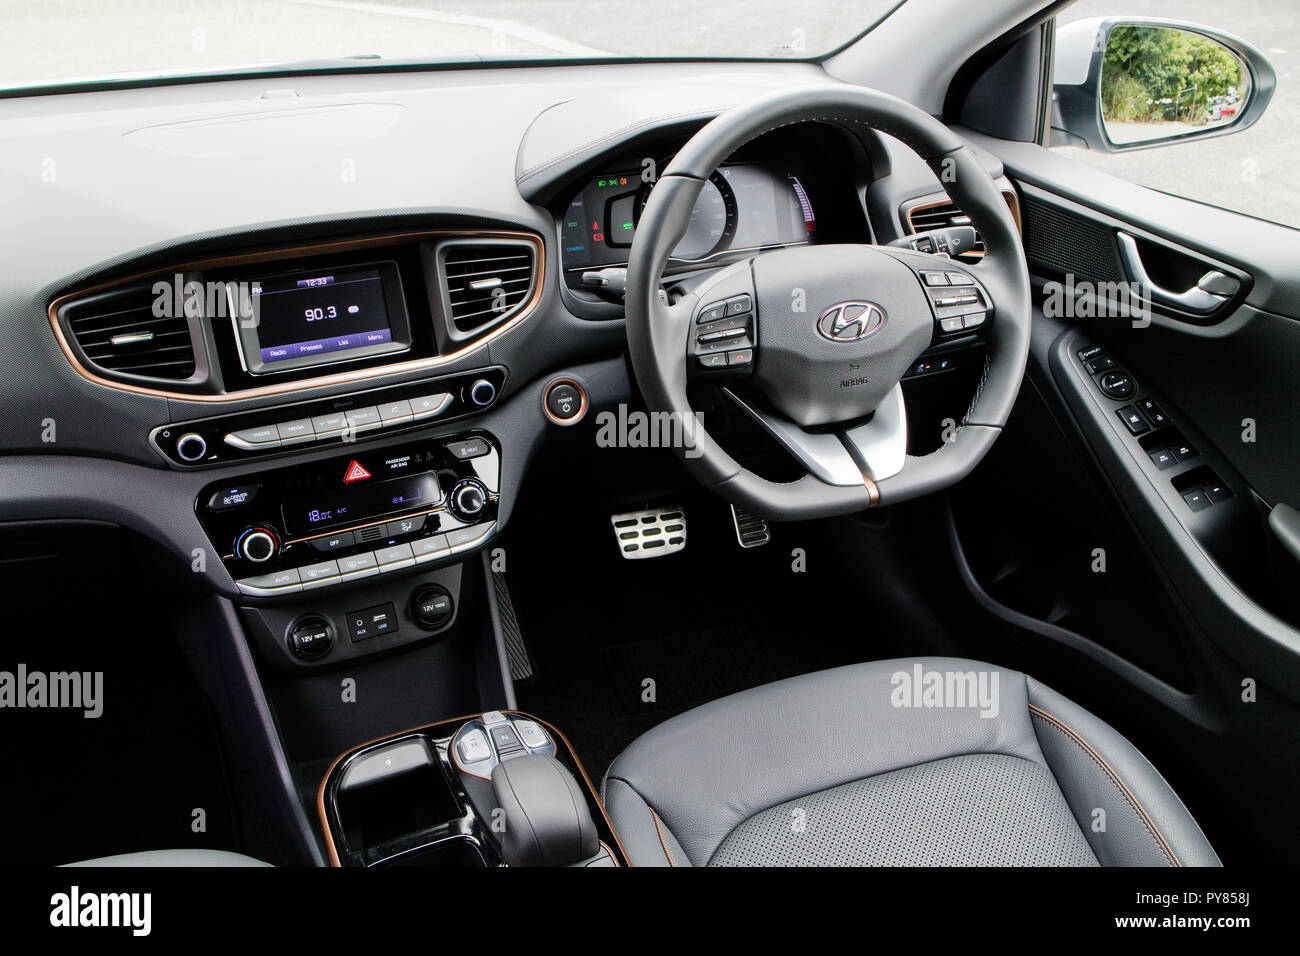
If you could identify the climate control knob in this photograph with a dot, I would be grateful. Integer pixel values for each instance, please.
(468, 499)
(257, 544)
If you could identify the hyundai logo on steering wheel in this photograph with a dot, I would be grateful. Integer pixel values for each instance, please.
(850, 321)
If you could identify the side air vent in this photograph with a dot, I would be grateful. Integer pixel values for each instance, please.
(924, 217)
(120, 334)
(486, 281)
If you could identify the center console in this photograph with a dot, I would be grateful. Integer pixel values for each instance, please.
(499, 789)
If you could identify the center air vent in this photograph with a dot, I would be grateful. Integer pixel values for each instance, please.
(486, 281)
(124, 335)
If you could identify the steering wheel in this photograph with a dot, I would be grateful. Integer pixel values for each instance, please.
(827, 331)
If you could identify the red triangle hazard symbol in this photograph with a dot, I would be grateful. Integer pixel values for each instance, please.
(356, 472)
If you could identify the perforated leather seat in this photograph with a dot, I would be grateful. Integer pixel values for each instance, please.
(885, 764)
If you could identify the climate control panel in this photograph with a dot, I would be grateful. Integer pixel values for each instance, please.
(356, 516)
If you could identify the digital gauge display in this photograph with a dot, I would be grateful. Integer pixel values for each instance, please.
(740, 207)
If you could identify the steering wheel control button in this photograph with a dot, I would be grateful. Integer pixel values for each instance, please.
(371, 622)
(431, 606)
(934, 278)
(565, 402)
(1153, 413)
(473, 747)
(236, 496)
(740, 357)
(739, 305)
(959, 278)
(334, 542)
(1163, 458)
(951, 325)
(1117, 384)
(973, 321)
(713, 312)
(191, 446)
(1133, 420)
(311, 638)
(468, 448)
(482, 392)
(713, 360)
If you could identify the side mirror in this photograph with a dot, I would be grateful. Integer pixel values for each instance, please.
(1123, 83)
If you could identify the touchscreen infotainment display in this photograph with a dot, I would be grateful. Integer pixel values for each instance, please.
(317, 318)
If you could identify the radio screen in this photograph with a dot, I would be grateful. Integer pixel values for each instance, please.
(318, 318)
(326, 509)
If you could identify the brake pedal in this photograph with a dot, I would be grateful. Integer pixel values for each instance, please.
(651, 533)
(751, 530)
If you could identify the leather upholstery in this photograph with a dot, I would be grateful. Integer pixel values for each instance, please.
(680, 791)
(171, 858)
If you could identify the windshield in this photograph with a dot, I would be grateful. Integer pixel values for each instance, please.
(45, 42)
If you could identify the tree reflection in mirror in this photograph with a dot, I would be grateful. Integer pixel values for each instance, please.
(1158, 82)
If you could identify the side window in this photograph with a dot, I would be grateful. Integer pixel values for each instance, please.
(1159, 82)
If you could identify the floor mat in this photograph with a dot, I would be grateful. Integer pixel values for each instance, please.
(683, 670)
(703, 623)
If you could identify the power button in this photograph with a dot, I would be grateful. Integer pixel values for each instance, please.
(565, 402)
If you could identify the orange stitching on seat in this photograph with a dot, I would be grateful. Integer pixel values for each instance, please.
(662, 842)
(1132, 801)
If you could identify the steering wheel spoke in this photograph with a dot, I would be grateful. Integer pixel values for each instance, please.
(875, 449)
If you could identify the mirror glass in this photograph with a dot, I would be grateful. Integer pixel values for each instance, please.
(1160, 82)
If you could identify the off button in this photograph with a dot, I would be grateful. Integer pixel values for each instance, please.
(566, 402)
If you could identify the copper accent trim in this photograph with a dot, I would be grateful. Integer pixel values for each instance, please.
(873, 491)
(582, 407)
(1009, 195)
(1105, 767)
(295, 252)
(332, 851)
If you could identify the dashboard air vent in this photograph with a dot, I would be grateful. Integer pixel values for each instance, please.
(925, 217)
(486, 281)
(119, 333)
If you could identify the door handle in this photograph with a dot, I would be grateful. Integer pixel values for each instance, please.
(1209, 294)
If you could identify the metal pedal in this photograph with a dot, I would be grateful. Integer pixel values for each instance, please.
(649, 534)
(751, 530)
